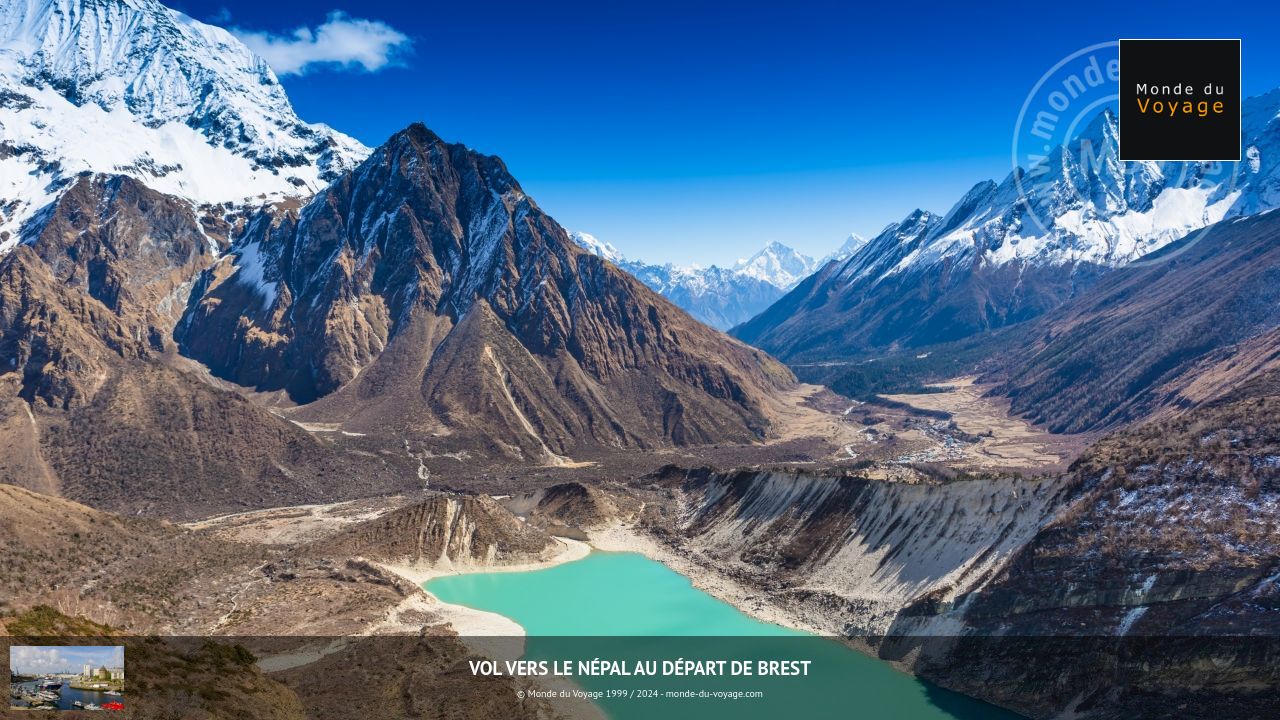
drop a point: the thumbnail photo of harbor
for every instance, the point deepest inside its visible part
(60, 677)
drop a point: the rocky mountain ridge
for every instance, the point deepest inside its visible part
(428, 258)
(1177, 330)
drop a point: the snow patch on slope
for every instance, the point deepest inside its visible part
(251, 270)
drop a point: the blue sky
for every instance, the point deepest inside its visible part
(686, 132)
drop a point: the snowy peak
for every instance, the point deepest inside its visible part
(778, 265)
(162, 67)
(598, 247)
(719, 297)
(130, 53)
(726, 297)
(1081, 204)
(132, 87)
(851, 245)
(775, 264)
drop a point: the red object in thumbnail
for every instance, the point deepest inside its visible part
(113, 706)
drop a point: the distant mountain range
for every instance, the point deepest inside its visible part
(1010, 251)
(723, 297)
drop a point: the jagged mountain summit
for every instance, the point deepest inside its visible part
(598, 247)
(851, 245)
(719, 297)
(1010, 251)
(134, 88)
(424, 293)
(777, 265)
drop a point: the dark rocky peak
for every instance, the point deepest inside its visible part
(101, 279)
(397, 256)
(127, 246)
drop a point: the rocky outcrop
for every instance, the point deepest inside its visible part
(572, 506)
(426, 292)
(444, 531)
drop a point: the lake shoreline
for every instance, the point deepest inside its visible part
(626, 600)
(748, 600)
(470, 622)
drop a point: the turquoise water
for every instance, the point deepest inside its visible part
(624, 606)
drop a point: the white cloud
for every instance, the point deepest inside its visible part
(37, 660)
(341, 41)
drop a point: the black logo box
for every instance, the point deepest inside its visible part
(1189, 66)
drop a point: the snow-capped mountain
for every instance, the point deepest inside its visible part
(598, 247)
(777, 265)
(1009, 251)
(132, 87)
(851, 245)
(1082, 204)
(719, 297)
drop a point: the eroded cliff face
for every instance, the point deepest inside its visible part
(1161, 576)
(848, 553)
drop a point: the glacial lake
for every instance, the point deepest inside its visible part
(626, 607)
